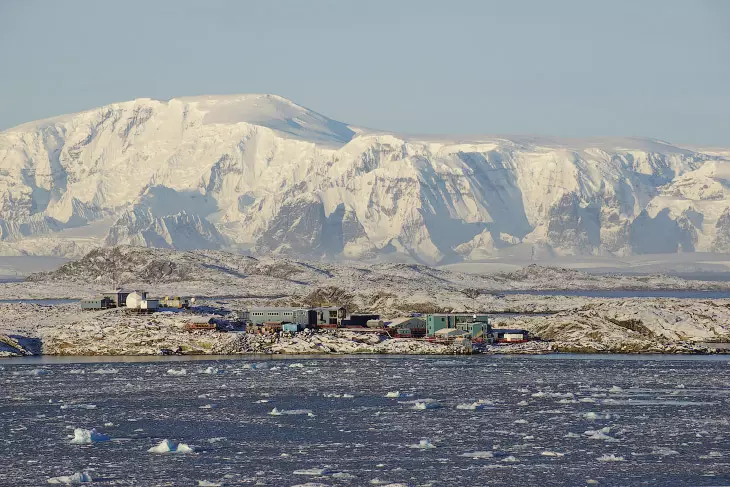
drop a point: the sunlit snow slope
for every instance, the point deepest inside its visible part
(260, 173)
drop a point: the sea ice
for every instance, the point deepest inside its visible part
(176, 372)
(281, 412)
(478, 454)
(422, 404)
(78, 406)
(610, 458)
(85, 437)
(105, 371)
(552, 454)
(601, 434)
(480, 404)
(424, 444)
(211, 370)
(77, 478)
(167, 446)
(312, 471)
(206, 483)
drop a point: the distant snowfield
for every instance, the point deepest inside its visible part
(711, 266)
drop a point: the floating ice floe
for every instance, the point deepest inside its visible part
(552, 454)
(424, 444)
(296, 365)
(601, 434)
(78, 406)
(211, 371)
(312, 471)
(396, 394)
(478, 454)
(76, 371)
(105, 371)
(176, 372)
(480, 404)
(333, 394)
(510, 459)
(663, 451)
(610, 458)
(206, 483)
(712, 455)
(615, 390)
(592, 416)
(343, 476)
(167, 446)
(522, 403)
(520, 421)
(422, 404)
(281, 412)
(207, 406)
(32, 372)
(84, 437)
(77, 478)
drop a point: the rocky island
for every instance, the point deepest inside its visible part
(226, 284)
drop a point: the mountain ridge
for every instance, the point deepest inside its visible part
(262, 175)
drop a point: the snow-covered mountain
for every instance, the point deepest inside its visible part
(258, 173)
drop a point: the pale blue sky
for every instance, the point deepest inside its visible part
(658, 68)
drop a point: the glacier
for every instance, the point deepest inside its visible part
(261, 175)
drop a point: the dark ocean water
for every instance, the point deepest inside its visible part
(472, 421)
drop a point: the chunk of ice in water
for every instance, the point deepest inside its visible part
(610, 458)
(480, 404)
(77, 478)
(312, 471)
(167, 446)
(424, 444)
(281, 412)
(478, 454)
(176, 372)
(105, 371)
(86, 437)
(552, 454)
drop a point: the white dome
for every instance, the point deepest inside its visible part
(134, 300)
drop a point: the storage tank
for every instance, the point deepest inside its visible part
(134, 300)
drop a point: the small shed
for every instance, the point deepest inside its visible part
(509, 335)
(201, 323)
(292, 327)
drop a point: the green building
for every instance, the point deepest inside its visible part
(476, 324)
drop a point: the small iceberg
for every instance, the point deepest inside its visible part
(105, 371)
(473, 406)
(281, 412)
(167, 446)
(77, 478)
(424, 444)
(312, 471)
(610, 458)
(176, 372)
(86, 437)
(478, 454)
(211, 371)
(422, 404)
